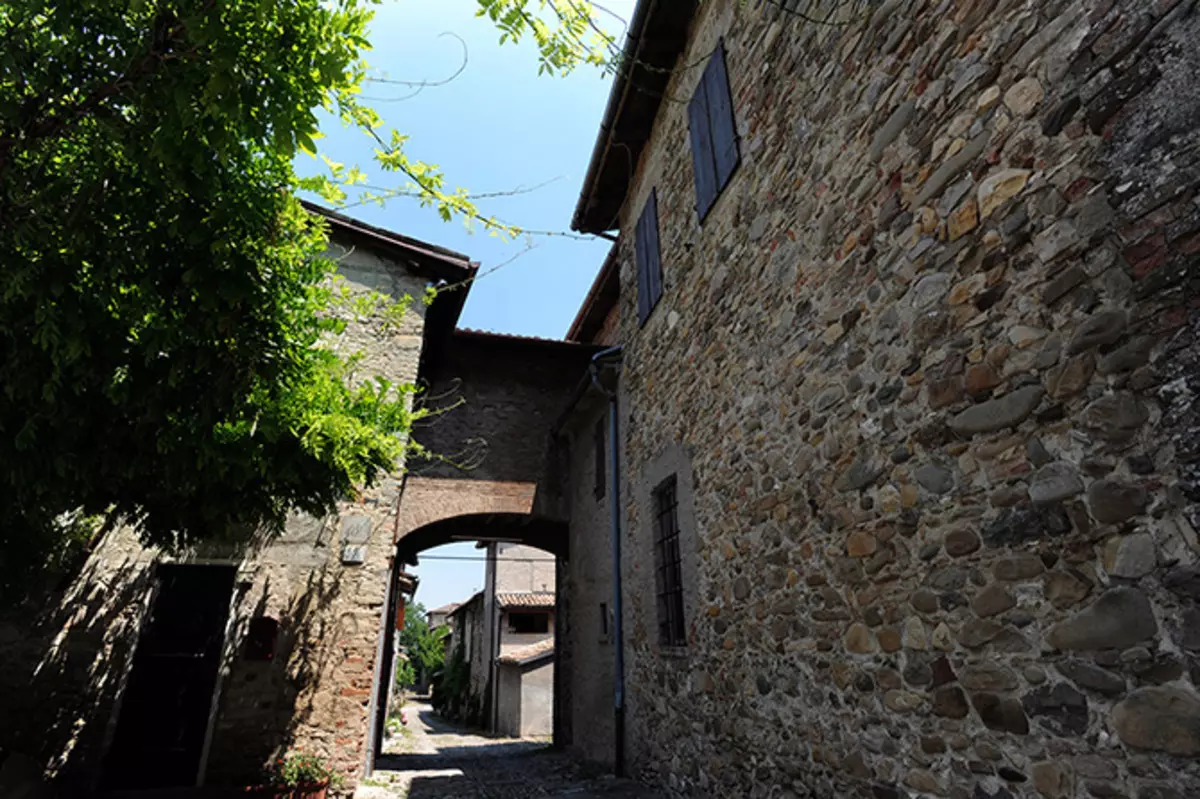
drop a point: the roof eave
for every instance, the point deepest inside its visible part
(648, 74)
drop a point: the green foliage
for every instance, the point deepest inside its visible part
(166, 309)
(406, 675)
(569, 37)
(300, 769)
(426, 648)
(451, 689)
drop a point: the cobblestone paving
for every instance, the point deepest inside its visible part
(436, 760)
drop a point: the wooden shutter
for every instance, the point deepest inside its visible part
(649, 263)
(720, 113)
(702, 157)
(643, 283)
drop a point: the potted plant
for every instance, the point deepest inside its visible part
(299, 776)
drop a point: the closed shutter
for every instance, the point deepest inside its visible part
(720, 108)
(649, 263)
(702, 158)
(643, 283)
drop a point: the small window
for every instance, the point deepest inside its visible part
(525, 623)
(649, 262)
(714, 133)
(605, 633)
(261, 638)
(668, 565)
(601, 467)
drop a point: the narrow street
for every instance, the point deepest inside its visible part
(433, 759)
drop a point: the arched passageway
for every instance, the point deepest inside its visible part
(490, 529)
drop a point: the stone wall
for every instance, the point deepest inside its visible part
(316, 694)
(933, 358)
(65, 659)
(588, 586)
(522, 568)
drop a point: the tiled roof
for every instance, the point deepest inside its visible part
(527, 653)
(526, 599)
(445, 609)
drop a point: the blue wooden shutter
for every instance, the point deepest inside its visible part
(643, 270)
(720, 113)
(649, 264)
(702, 158)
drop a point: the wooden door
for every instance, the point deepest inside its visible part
(164, 714)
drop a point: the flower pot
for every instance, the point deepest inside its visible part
(311, 791)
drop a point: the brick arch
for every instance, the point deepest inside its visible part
(436, 511)
(429, 499)
(549, 535)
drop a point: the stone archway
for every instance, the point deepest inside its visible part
(438, 511)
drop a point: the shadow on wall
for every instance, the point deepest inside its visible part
(264, 704)
(66, 652)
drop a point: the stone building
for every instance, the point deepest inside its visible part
(512, 620)
(525, 691)
(147, 671)
(908, 430)
(439, 616)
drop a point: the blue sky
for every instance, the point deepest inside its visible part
(497, 127)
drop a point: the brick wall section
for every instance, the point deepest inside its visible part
(431, 499)
(927, 353)
(500, 396)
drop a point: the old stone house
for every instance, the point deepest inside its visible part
(288, 640)
(906, 293)
(439, 616)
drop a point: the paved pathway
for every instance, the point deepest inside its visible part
(436, 760)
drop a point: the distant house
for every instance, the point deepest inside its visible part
(509, 623)
(440, 616)
(525, 691)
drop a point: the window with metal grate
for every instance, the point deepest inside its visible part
(668, 565)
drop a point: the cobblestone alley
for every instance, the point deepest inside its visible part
(433, 759)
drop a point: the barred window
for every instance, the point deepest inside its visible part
(668, 566)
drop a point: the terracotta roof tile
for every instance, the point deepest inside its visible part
(528, 653)
(526, 599)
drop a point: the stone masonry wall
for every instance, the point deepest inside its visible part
(315, 695)
(588, 589)
(933, 358)
(495, 401)
(65, 659)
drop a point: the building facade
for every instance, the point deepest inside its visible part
(907, 420)
(506, 632)
(148, 670)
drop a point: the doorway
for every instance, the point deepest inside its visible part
(160, 734)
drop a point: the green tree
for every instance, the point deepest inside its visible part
(165, 311)
(425, 647)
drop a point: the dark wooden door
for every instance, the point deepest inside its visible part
(164, 713)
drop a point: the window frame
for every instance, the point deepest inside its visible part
(530, 615)
(713, 96)
(648, 259)
(668, 565)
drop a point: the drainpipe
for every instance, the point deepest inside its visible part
(613, 356)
